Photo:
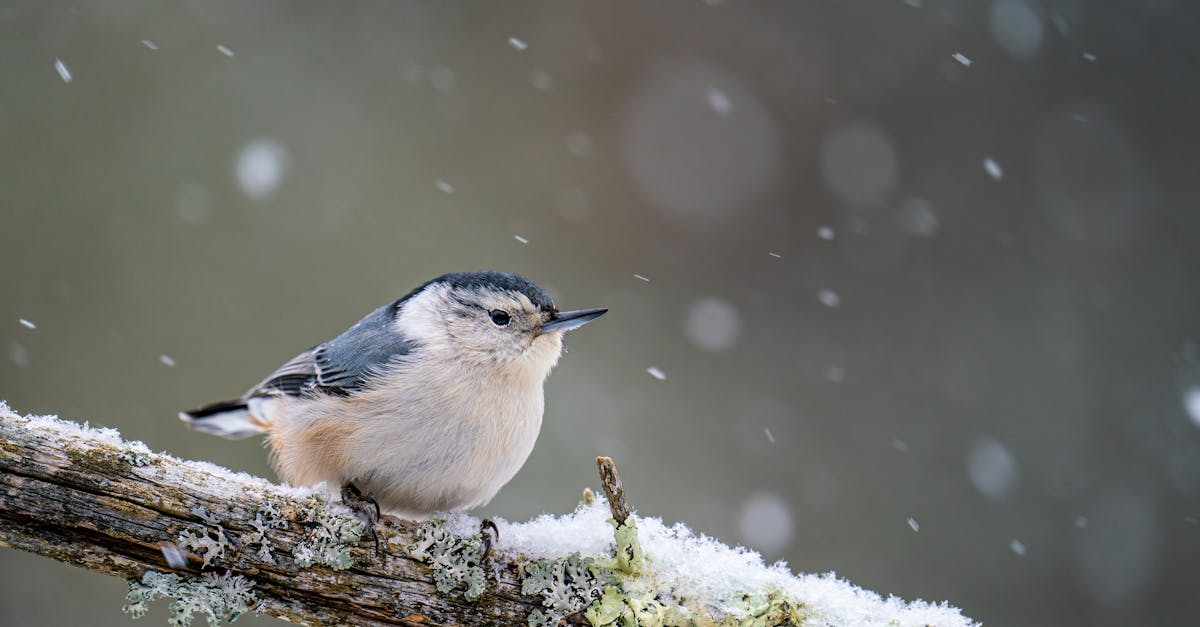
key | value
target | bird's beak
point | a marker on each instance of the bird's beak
(567, 320)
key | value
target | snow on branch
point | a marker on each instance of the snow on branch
(220, 544)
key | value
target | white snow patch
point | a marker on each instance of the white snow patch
(657, 373)
(223, 49)
(519, 44)
(63, 71)
(706, 571)
(27, 324)
(993, 169)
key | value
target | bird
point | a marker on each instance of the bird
(430, 404)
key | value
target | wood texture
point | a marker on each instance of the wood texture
(88, 501)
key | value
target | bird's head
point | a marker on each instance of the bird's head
(492, 319)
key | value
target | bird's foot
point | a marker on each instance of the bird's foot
(365, 508)
(490, 534)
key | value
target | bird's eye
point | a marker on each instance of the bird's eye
(499, 317)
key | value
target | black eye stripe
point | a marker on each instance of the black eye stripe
(499, 317)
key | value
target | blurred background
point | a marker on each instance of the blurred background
(905, 290)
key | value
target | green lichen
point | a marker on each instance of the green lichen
(567, 586)
(329, 538)
(628, 558)
(620, 609)
(215, 597)
(456, 561)
(771, 609)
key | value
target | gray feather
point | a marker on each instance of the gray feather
(343, 365)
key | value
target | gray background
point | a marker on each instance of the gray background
(996, 359)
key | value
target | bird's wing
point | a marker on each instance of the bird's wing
(343, 365)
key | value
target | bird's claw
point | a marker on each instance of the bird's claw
(364, 507)
(490, 534)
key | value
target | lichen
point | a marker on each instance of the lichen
(771, 609)
(456, 561)
(566, 587)
(208, 545)
(616, 607)
(216, 597)
(329, 538)
(269, 516)
(628, 557)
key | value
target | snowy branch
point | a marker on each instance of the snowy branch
(221, 544)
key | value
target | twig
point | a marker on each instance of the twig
(611, 482)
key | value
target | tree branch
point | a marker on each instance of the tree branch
(221, 543)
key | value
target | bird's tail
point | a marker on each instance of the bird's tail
(228, 419)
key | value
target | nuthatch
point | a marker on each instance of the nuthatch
(430, 403)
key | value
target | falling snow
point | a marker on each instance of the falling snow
(1017, 547)
(224, 50)
(521, 239)
(443, 186)
(166, 360)
(149, 44)
(517, 43)
(657, 373)
(912, 522)
(712, 324)
(1191, 403)
(776, 255)
(62, 70)
(829, 298)
(826, 233)
(770, 436)
(27, 324)
(260, 167)
(993, 169)
(641, 278)
(718, 101)
(962, 58)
